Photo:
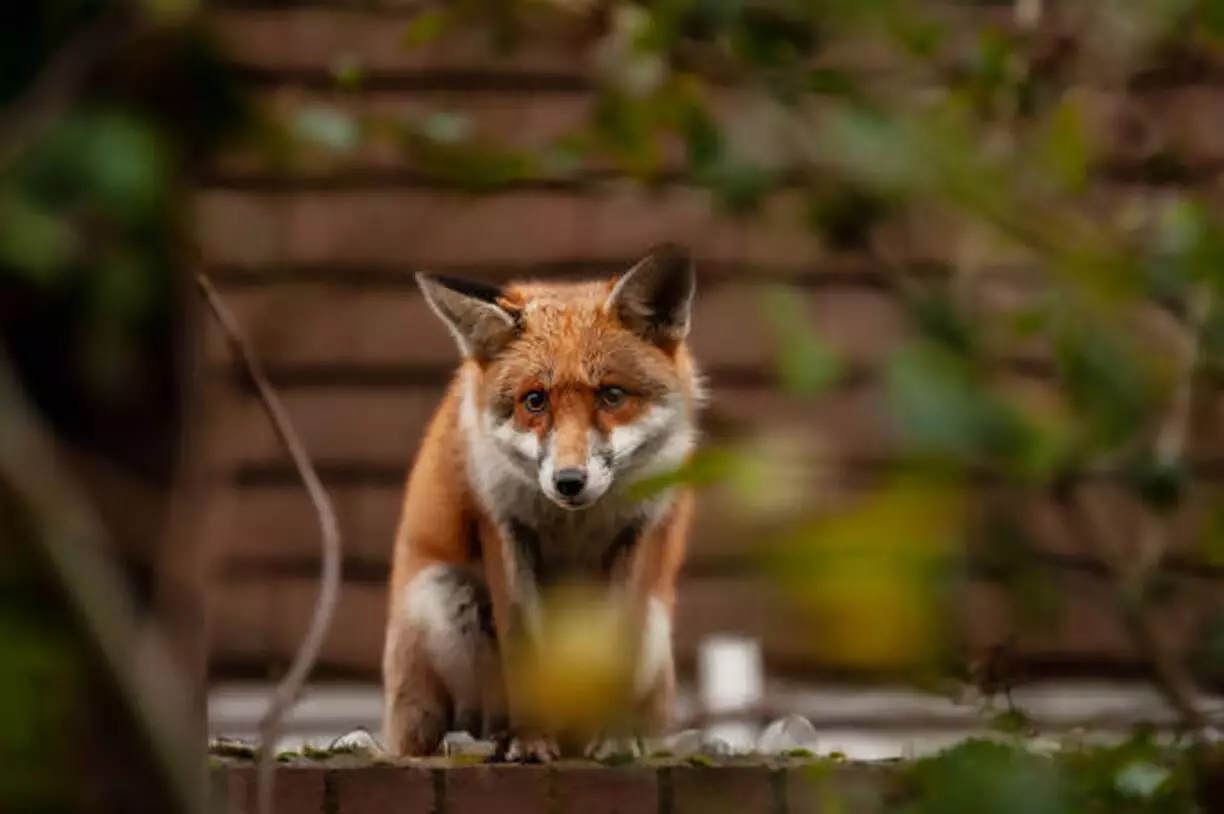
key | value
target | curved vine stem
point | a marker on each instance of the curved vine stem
(291, 685)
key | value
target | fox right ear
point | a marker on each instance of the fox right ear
(654, 299)
(472, 312)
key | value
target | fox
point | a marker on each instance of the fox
(565, 394)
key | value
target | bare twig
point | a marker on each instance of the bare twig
(1172, 678)
(1131, 572)
(1169, 445)
(73, 545)
(291, 685)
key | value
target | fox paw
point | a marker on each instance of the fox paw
(522, 749)
(610, 748)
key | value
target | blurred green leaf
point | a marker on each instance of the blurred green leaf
(347, 72)
(979, 776)
(869, 578)
(922, 37)
(806, 363)
(564, 158)
(1210, 18)
(426, 27)
(739, 187)
(1028, 322)
(880, 150)
(1065, 147)
(942, 321)
(702, 139)
(1012, 722)
(1188, 245)
(33, 241)
(831, 82)
(475, 167)
(709, 465)
(1012, 559)
(775, 36)
(111, 160)
(1141, 779)
(1103, 379)
(447, 127)
(328, 127)
(128, 164)
(934, 403)
(625, 128)
(171, 12)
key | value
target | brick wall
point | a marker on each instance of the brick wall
(316, 257)
(780, 786)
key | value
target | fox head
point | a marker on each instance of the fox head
(578, 386)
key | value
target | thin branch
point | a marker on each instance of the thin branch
(291, 685)
(73, 545)
(1172, 678)
(1169, 446)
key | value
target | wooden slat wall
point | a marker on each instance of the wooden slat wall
(317, 262)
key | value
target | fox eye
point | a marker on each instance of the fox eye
(535, 401)
(611, 397)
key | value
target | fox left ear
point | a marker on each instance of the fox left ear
(655, 298)
(473, 312)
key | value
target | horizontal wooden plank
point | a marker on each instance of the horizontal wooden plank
(309, 324)
(320, 39)
(1131, 134)
(260, 620)
(532, 122)
(419, 229)
(255, 529)
(853, 424)
(287, 43)
(275, 530)
(406, 230)
(299, 42)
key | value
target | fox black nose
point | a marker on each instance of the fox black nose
(569, 481)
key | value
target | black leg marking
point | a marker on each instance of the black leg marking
(529, 553)
(620, 550)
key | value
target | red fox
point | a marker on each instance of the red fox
(566, 393)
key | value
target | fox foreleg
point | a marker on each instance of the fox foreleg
(439, 661)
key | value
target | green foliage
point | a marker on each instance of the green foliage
(989, 128)
(426, 27)
(983, 775)
(1136, 776)
(94, 160)
(806, 364)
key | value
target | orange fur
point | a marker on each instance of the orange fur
(603, 366)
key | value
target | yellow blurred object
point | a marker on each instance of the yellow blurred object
(577, 680)
(864, 577)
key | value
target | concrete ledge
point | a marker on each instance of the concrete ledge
(343, 785)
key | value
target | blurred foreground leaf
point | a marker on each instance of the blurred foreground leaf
(980, 776)
(707, 466)
(869, 579)
(578, 679)
(426, 27)
(806, 364)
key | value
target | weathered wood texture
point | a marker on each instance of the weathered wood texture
(317, 258)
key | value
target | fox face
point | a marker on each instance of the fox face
(577, 387)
